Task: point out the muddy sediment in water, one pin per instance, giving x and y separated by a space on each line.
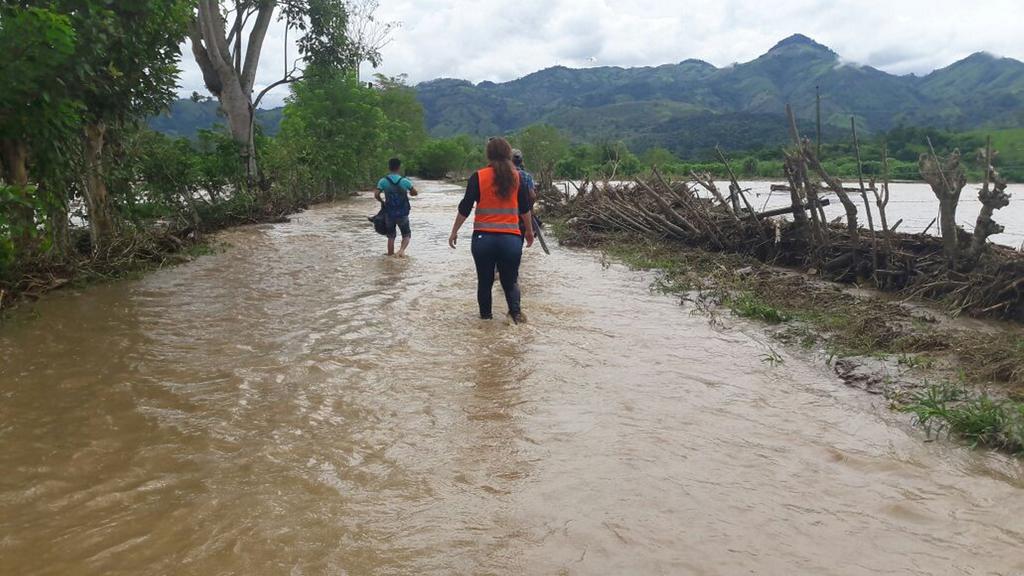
297 403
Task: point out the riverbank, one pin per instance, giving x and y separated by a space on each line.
956 376
145 248
149 253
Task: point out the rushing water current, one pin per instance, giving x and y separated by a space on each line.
299 404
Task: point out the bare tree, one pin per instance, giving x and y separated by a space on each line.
993 196
227 38
947 179
367 32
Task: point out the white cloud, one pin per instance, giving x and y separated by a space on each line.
502 41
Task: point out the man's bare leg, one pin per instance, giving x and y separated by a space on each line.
391 246
405 244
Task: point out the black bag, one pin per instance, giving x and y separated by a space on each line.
378 222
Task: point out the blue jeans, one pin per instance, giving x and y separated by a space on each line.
503 251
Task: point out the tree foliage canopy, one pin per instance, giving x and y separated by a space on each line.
126 61
37 44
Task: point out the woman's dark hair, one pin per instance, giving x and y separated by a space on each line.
499 156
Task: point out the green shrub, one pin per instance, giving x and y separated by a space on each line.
977 418
748 305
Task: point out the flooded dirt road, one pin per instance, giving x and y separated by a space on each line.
298 404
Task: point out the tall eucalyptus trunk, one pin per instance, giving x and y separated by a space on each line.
228 75
101 217
15 162
14 154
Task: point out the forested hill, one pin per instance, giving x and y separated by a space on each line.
688 105
185 118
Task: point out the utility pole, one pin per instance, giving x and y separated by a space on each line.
817 91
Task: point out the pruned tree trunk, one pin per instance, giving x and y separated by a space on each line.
882 197
546 178
947 180
993 196
101 219
795 170
797 200
801 186
737 194
864 196
836 186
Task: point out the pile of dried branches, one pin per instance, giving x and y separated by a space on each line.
965 271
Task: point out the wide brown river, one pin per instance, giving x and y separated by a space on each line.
299 404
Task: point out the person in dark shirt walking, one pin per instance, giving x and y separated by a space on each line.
502 200
517 159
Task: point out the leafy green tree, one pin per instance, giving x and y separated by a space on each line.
578 163
406 128
615 160
660 157
542 146
219 171
35 107
126 69
437 159
474 154
158 176
749 167
37 115
334 130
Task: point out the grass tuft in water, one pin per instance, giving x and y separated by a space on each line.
978 419
772 358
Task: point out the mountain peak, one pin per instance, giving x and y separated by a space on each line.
981 60
696 62
981 57
696 66
799 40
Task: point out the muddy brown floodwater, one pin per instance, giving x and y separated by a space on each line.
298 404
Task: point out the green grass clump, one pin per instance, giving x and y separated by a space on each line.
749 305
978 419
916 361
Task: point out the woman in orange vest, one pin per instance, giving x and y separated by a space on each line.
502 202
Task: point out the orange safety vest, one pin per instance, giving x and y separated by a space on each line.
494 213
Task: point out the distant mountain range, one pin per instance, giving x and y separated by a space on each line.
693 104
690 106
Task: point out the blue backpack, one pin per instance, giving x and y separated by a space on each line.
396 198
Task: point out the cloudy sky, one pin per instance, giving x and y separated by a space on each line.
501 41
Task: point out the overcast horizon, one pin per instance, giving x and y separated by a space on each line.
443 39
